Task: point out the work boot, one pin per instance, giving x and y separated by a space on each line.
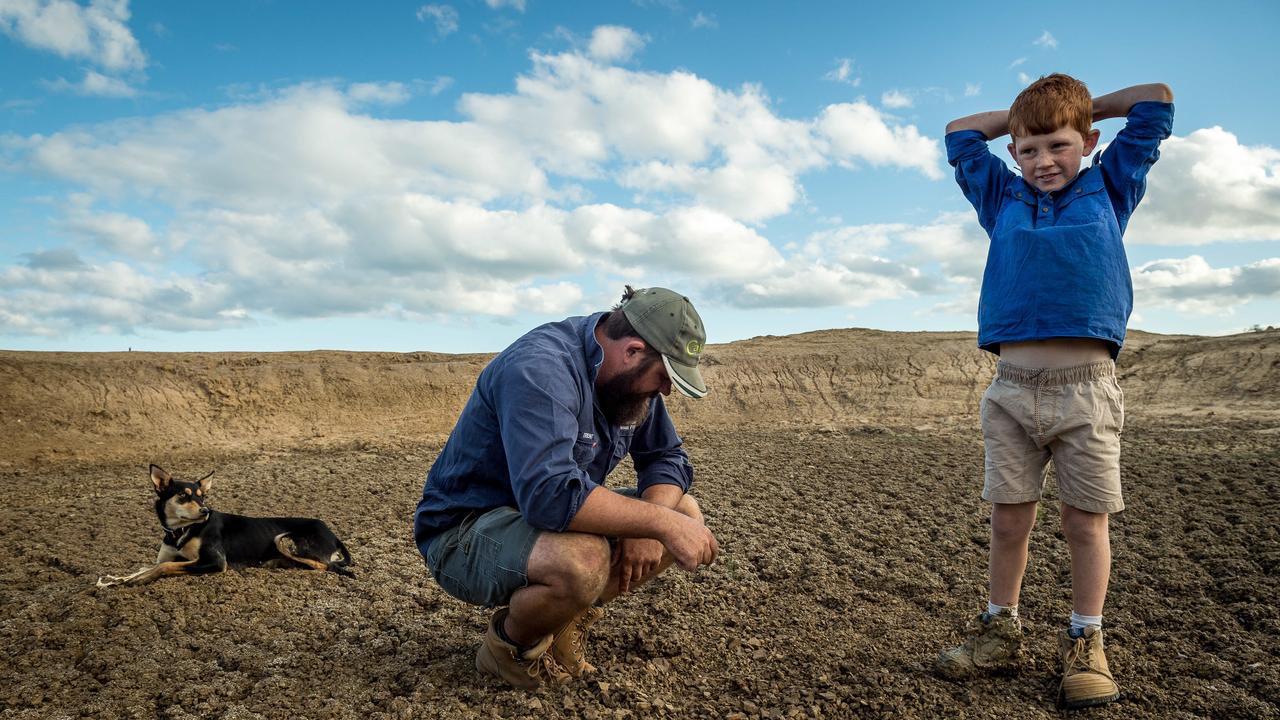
1086 679
530 669
993 641
569 647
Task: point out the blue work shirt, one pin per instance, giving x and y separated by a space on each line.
1057 266
533 437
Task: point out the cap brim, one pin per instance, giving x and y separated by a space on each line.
686 378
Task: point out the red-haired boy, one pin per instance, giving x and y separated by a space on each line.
1056 297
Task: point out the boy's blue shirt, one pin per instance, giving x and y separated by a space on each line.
532 436
1057 266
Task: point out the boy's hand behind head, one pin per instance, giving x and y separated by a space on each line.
1050 123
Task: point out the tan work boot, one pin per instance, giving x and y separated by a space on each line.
569 647
993 641
531 669
1086 679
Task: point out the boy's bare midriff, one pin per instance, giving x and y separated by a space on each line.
1055 353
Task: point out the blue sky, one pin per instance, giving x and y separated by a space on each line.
442 176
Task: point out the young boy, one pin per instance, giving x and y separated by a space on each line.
1056 297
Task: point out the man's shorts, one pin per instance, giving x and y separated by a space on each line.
1073 416
485 559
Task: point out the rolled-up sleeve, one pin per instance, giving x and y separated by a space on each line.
658 452
981 175
537 412
1127 160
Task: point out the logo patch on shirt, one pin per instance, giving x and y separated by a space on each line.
588 436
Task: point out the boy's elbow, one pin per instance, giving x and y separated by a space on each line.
954 126
1163 92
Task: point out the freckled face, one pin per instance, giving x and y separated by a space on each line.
1052 160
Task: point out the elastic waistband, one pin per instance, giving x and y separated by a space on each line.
1060 376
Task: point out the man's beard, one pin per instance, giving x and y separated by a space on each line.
620 404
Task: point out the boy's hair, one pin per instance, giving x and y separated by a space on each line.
1050 103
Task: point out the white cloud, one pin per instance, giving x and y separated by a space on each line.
114 231
703 20
384 93
517 5
972 89
611 43
304 202
445 18
94 84
843 73
1207 187
896 100
1191 285
1025 79
858 132
1017 62
97 32
1046 40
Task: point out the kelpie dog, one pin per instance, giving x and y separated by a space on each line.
199 540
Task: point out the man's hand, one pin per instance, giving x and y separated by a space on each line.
690 542
637 559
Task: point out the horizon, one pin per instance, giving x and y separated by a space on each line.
441 177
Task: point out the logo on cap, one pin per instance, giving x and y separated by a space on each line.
693 347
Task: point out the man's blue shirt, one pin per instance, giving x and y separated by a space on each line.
532 436
1057 266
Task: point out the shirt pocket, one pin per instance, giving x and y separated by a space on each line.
621 446
584 452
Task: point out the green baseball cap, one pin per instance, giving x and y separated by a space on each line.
667 321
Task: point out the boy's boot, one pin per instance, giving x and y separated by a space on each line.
993 641
530 669
569 648
1086 679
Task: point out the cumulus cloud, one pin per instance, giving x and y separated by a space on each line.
304 202
611 43
1208 187
98 32
1190 284
896 99
445 18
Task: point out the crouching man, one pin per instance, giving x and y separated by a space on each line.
515 514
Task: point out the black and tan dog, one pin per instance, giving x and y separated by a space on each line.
200 540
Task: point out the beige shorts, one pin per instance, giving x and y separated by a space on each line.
1073 416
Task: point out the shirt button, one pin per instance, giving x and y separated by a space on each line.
1044 209
1018 195
1077 191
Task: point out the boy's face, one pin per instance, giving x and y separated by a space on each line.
1051 161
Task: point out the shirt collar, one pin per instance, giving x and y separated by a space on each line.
591 349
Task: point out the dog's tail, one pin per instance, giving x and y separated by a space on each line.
341 560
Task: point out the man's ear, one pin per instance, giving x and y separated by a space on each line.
634 349
1091 142
159 478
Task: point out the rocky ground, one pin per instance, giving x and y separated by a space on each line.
851 553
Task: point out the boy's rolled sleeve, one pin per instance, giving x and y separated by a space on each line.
658 452
981 175
1127 160
539 429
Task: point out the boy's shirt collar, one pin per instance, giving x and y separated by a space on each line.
1088 182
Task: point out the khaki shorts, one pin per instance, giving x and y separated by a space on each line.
1073 416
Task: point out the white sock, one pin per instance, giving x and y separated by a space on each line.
994 609
1080 622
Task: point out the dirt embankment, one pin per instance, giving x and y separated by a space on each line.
115 406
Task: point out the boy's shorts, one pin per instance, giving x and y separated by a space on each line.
1073 416
484 559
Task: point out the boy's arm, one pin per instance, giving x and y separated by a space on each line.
992 123
1117 104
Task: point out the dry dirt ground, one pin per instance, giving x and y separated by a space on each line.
853 546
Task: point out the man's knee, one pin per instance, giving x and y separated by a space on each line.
576 565
1082 526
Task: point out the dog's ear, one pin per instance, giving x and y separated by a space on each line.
160 478
206 482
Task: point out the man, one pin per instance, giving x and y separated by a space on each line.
515 513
